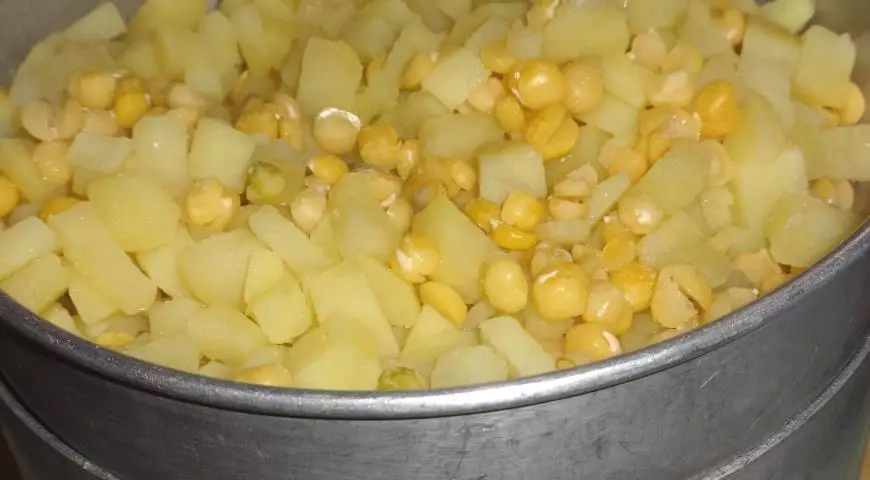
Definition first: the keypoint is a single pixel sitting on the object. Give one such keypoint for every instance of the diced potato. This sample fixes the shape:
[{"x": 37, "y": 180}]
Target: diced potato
[
  {"x": 358, "y": 304},
  {"x": 467, "y": 25},
  {"x": 16, "y": 164},
  {"x": 175, "y": 351},
  {"x": 24, "y": 242},
  {"x": 675, "y": 181},
  {"x": 9, "y": 121},
  {"x": 322, "y": 237},
  {"x": 60, "y": 317},
  {"x": 760, "y": 136},
  {"x": 205, "y": 79},
  {"x": 39, "y": 284},
  {"x": 397, "y": 298},
  {"x": 680, "y": 240},
  {"x": 161, "y": 264},
  {"x": 759, "y": 185},
  {"x": 644, "y": 15},
  {"x": 468, "y": 366},
  {"x": 99, "y": 153},
  {"x": 216, "y": 370},
  {"x": 172, "y": 317},
  {"x": 766, "y": 41},
  {"x": 793, "y": 15},
  {"x": 825, "y": 67},
  {"x": 225, "y": 335},
  {"x": 586, "y": 152},
  {"x": 802, "y": 229},
  {"x": 604, "y": 27},
  {"x": 219, "y": 34},
  {"x": 721, "y": 67},
  {"x": 846, "y": 154},
  {"x": 331, "y": 73},
  {"x": 139, "y": 214},
  {"x": 433, "y": 336},
  {"x": 455, "y": 77},
  {"x": 91, "y": 305},
  {"x": 524, "y": 42},
  {"x": 772, "y": 80},
  {"x": 454, "y": 8},
  {"x": 702, "y": 32},
  {"x": 292, "y": 165},
  {"x": 462, "y": 245},
  {"x": 88, "y": 245},
  {"x": 160, "y": 146},
  {"x": 158, "y": 13},
  {"x": 140, "y": 57},
  {"x": 101, "y": 24},
  {"x": 493, "y": 29},
  {"x": 263, "y": 38},
  {"x": 265, "y": 270},
  {"x": 271, "y": 355},
  {"x": 360, "y": 225},
  {"x": 332, "y": 357},
  {"x": 303, "y": 256},
  {"x": 513, "y": 167},
  {"x": 607, "y": 193},
  {"x": 282, "y": 312},
  {"x": 458, "y": 135},
  {"x": 626, "y": 80},
  {"x": 613, "y": 116},
  {"x": 215, "y": 269},
  {"x": 565, "y": 233},
  {"x": 116, "y": 331},
  {"x": 222, "y": 152},
  {"x": 410, "y": 115},
  {"x": 524, "y": 354},
  {"x": 176, "y": 47},
  {"x": 640, "y": 334}
]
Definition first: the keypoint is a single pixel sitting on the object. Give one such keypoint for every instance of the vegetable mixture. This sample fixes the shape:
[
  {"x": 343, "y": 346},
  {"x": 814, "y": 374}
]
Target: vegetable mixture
[{"x": 405, "y": 194}]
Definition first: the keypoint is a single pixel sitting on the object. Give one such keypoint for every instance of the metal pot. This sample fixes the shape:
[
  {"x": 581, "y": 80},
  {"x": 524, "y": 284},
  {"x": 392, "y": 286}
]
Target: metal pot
[{"x": 778, "y": 390}]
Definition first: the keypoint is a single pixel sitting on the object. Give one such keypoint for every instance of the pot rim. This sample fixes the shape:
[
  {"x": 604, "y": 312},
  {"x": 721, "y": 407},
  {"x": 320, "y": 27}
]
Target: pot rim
[{"x": 517, "y": 393}]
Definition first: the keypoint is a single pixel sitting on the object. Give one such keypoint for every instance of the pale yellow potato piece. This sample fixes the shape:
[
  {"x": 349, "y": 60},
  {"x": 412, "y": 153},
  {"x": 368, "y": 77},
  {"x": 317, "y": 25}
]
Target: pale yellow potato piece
[
  {"x": 524, "y": 354},
  {"x": 90, "y": 303},
  {"x": 462, "y": 245},
  {"x": 140, "y": 57},
  {"x": 206, "y": 79},
  {"x": 178, "y": 351},
  {"x": 408, "y": 116},
  {"x": 16, "y": 164},
  {"x": 455, "y": 77},
  {"x": 24, "y": 242},
  {"x": 138, "y": 212},
  {"x": 160, "y": 145},
  {"x": 433, "y": 336},
  {"x": 458, "y": 135},
  {"x": 344, "y": 292},
  {"x": 304, "y": 257},
  {"x": 676, "y": 180},
  {"x": 60, "y": 317},
  {"x": 333, "y": 357},
  {"x": 89, "y": 246},
  {"x": 469, "y": 366},
  {"x": 825, "y": 67},
  {"x": 322, "y": 237},
  {"x": 614, "y": 116},
  {"x": 219, "y": 34},
  {"x": 626, "y": 80},
  {"x": 265, "y": 271},
  {"x": 219, "y": 151},
  {"x": 39, "y": 284},
  {"x": 845, "y": 154},
  {"x": 397, "y": 298},
  {"x": 98, "y": 152},
  {"x": 215, "y": 269},
  {"x": 701, "y": 31},
  {"x": 764, "y": 40},
  {"x": 172, "y": 317},
  {"x": 216, "y": 370},
  {"x": 293, "y": 166},
  {"x": 116, "y": 331},
  {"x": 492, "y": 30},
  {"x": 576, "y": 32},
  {"x": 644, "y": 15},
  {"x": 793, "y": 15},
  {"x": 102, "y": 23},
  {"x": 225, "y": 334},
  {"x": 360, "y": 226},
  {"x": 331, "y": 74},
  {"x": 758, "y": 186},
  {"x": 161, "y": 264},
  {"x": 586, "y": 152},
  {"x": 270, "y": 355},
  {"x": 606, "y": 194},
  {"x": 467, "y": 25},
  {"x": 802, "y": 229},
  {"x": 282, "y": 312},
  {"x": 263, "y": 40},
  {"x": 157, "y": 13}
]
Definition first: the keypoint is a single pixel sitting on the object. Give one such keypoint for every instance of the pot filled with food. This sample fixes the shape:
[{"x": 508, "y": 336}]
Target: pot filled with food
[{"x": 457, "y": 239}]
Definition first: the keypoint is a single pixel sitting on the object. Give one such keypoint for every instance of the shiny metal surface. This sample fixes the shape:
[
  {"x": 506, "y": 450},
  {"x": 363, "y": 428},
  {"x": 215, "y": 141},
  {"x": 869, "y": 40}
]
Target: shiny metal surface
[{"x": 679, "y": 410}]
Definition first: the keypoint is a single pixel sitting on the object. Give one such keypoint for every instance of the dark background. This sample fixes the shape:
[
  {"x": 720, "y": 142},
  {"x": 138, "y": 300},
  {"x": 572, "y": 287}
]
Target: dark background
[{"x": 7, "y": 465}]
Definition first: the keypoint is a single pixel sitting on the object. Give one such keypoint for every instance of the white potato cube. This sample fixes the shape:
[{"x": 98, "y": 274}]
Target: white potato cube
[
  {"x": 758, "y": 186},
  {"x": 226, "y": 335},
  {"x": 139, "y": 213},
  {"x": 524, "y": 354},
  {"x": 675, "y": 181},
  {"x": 215, "y": 269},
  {"x": 397, "y": 298},
  {"x": 60, "y": 317},
  {"x": 16, "y": 164},
  {"x": 825, "y": 67},
  {"x": 91, "y": 304},
  {"x": 458, "y": 135},
  {"x": 360, "y": 226},
  {"x": 172, "y": 317},
  {"x": 161, "y": 265},
  {"x": 846, "y": 154},
  {"x": 265, "y": 271},
  {"x": 160, "y": 143},
  {"x": 614, "y": 116},
  {"x": 98, "y": 152},
  {"x": 517, "y": 167},
  {"x": 332, "y": 357},
  {"x": 455, "y": 77},
  {"x": 433, "y": 336},
  {"x": 222, "y": 152},
  {"x": 89, "y": 246},
  {"x": 282, "y": 312},
  {"x": 101, "y": 24},
  {"x": 802, "y": 229},
  {"x": 39, "y": 284},
  {"x": 304, "y": 257},
  {"x": 604, "y": 31},
  {"x": 178, "y": 351},
  {"x": 468, "y": 366},
  {"x": 331, "y": 74},
  {"x": 626, "y": 80},
  {"x": 24, "y": 242}
]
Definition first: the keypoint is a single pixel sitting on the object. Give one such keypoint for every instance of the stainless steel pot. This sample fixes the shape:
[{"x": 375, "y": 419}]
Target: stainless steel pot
[{"x": 778, "y": 390}]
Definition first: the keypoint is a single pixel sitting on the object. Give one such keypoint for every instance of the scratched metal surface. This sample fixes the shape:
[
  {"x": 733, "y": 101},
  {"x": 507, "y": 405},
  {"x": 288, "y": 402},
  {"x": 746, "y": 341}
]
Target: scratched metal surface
[{"x": 674, "y": 411}]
